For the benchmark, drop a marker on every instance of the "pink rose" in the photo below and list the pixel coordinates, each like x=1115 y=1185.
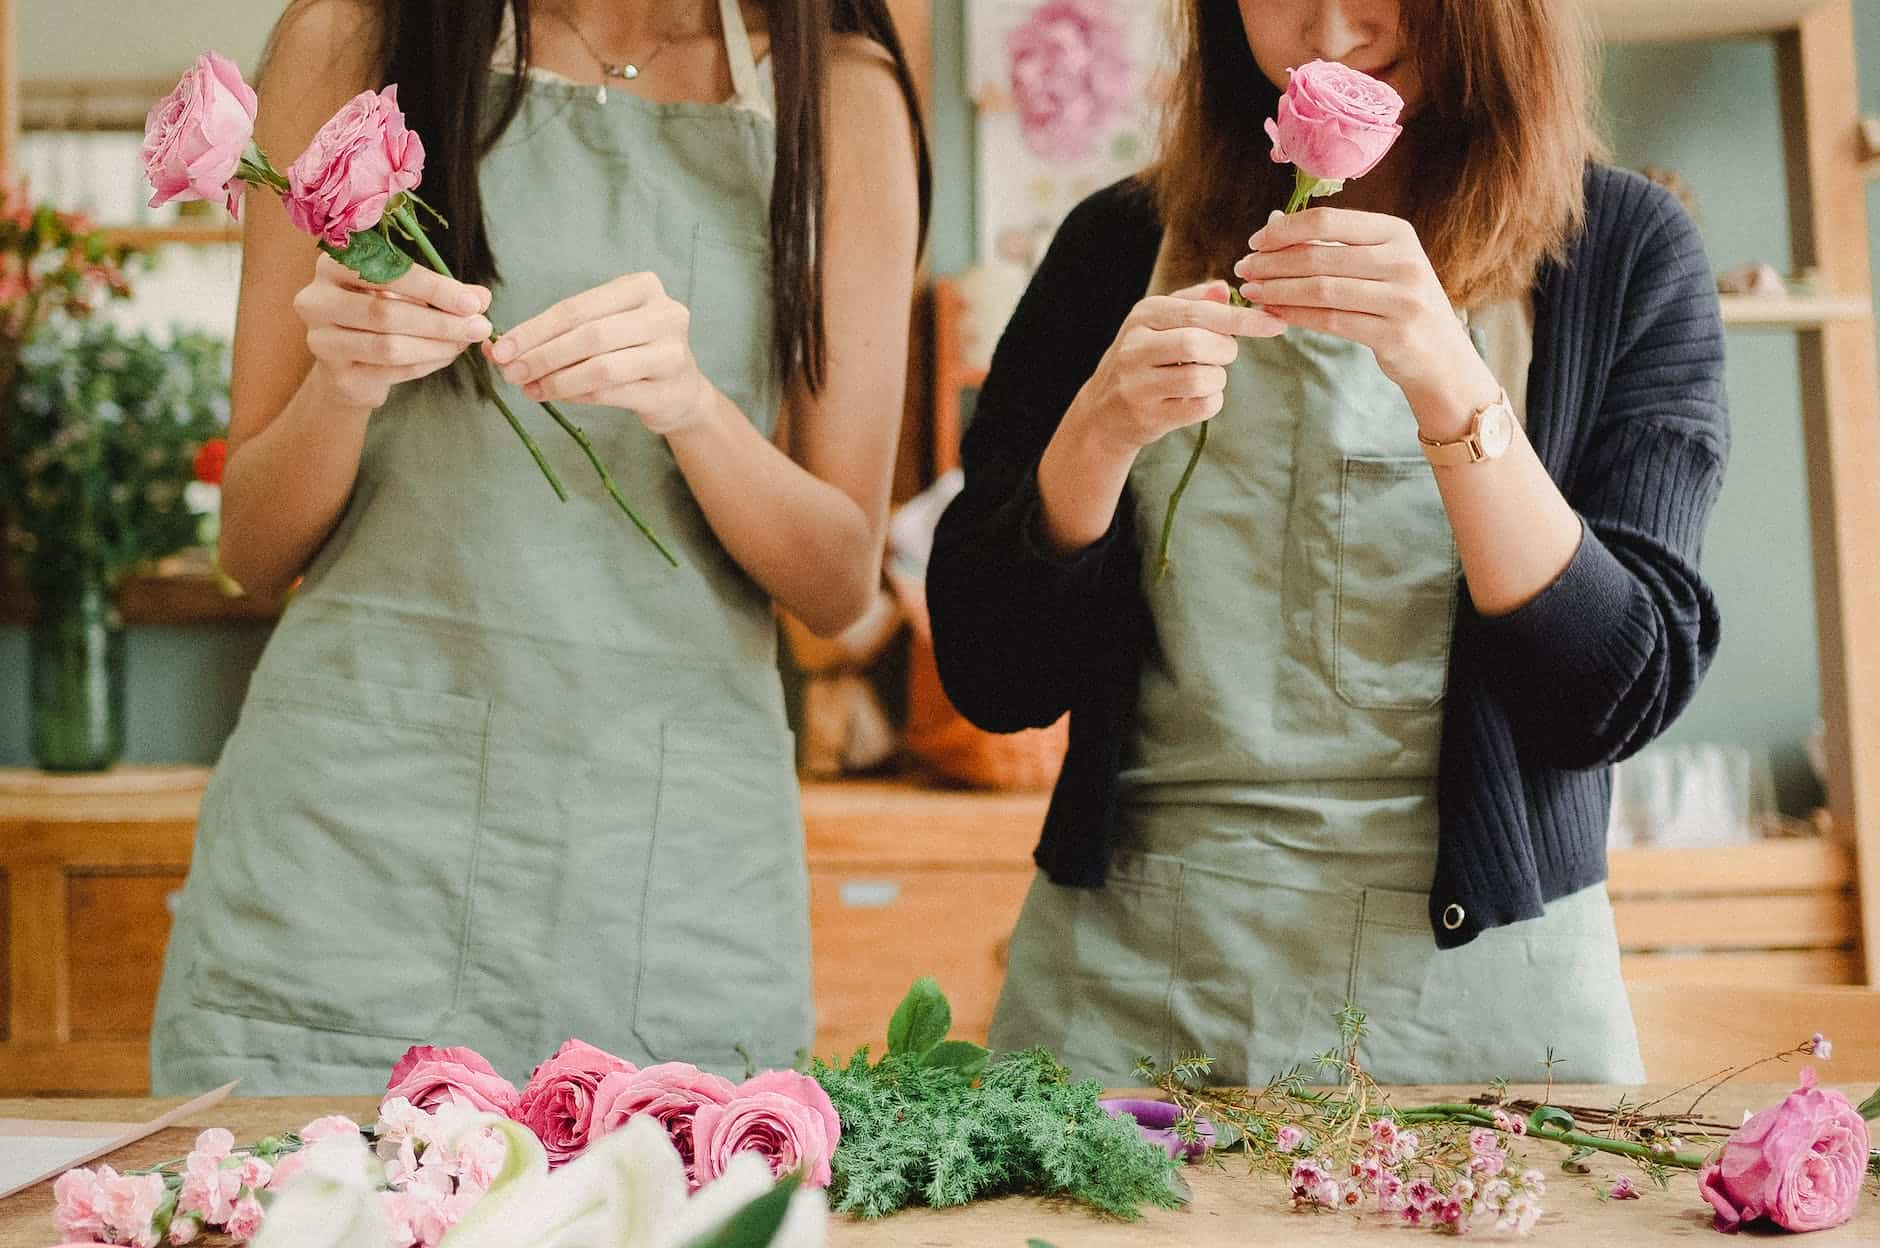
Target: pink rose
x=1798 y=1164
x=1070 y=75
x=1334 y=122
x=558 y=1101
x=429 y=1077
x=783 y=1116
x=196 y=136
x=361 y=158
x=672 y=1092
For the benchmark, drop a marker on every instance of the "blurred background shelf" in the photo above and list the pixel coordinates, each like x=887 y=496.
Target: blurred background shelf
x=205 y=233
x=1800 y=311
x=1637 y=21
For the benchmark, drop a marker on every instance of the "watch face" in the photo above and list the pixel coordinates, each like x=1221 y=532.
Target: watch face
x=1497 y=431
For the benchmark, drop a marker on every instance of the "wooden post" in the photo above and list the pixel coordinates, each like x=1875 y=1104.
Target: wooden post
x=9 y=89
x=1841 y=414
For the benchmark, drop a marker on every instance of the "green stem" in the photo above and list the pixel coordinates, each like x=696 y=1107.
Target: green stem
x=1476 y=1115
x=1303 y=186
x=1174 y=501
x=580 y=436
x=408 y=225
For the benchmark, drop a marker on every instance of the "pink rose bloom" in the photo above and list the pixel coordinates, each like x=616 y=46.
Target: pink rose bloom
x=429 y=1077
x=783 y=1116
x=671 y=1092
x=1070 y=75
x=78 y=1212
x=361 y=158
x=1334 y=122
x=245 y=1223
x=195 y=137
x=558 y=1101
x=1798 y=1164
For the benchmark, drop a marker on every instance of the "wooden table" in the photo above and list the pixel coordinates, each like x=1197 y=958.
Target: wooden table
x=1229 y=1208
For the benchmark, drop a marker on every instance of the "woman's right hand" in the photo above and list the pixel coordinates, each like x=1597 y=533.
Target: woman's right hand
x=366 y=338
x=1167 y=367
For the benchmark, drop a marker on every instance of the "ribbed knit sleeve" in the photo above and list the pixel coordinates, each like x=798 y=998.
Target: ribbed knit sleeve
x=1604 y=659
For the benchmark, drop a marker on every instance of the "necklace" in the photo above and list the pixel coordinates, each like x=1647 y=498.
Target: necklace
x=627 y=71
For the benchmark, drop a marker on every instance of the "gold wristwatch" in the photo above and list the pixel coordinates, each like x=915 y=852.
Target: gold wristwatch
x=1491 y=432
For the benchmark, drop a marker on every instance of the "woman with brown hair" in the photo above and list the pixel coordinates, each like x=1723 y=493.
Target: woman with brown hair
x=1437 y=572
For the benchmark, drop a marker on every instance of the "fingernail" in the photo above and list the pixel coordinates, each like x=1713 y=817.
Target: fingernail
x=1250 y=291
x=504 y=351
x=1275 y=215
x=478 y=328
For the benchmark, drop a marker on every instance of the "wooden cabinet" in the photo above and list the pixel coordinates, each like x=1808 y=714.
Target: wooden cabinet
x=904 y=882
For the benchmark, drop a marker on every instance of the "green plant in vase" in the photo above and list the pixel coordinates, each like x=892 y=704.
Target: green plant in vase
x=105 y=426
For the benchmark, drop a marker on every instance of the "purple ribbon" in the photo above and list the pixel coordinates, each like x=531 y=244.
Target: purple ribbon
x=1156 y=1120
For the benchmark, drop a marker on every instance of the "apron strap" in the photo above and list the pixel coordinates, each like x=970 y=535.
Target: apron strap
x=745 y=84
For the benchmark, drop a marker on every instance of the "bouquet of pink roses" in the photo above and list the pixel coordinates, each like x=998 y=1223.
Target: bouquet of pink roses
x=353 y=189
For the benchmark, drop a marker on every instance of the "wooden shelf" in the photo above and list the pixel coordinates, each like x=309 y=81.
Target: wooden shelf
x=202 y=235
x=1794 y=310
x=1643 y=21
x=168 y=599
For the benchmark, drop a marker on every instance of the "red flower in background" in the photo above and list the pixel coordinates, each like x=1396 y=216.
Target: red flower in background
x=211 y=459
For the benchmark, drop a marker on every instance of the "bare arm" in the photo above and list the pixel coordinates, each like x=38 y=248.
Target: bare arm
x=316 y=350
x=809 y=524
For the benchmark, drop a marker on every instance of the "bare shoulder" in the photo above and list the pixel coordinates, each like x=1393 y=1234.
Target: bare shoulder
x=865 y=101
x=322 y=53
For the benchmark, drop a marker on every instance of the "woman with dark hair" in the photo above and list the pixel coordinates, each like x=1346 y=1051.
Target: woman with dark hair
x=504 y=776
x=1436 y=573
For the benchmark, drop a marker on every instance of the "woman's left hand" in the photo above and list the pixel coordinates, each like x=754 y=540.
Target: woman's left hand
x=622 y=344
x=1378 y=289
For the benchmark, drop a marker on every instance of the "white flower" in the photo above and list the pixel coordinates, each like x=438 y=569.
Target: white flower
x=202 y=499
x=627 y=1191
x=332 y=1201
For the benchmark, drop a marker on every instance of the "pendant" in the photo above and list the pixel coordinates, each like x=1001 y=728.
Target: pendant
x=628 y=70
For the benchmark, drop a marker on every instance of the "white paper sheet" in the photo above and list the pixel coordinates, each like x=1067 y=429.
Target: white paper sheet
x=32 y=1151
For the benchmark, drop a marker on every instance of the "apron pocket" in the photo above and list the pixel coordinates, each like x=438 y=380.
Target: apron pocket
x=1395 y=602
x=724 y=936
x=731 y=317
x=336 y=896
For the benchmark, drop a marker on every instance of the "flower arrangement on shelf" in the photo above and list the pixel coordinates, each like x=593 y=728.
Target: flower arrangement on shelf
x=52 y=264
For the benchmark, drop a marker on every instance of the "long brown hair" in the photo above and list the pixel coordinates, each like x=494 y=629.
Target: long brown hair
x=439 y=52
x=1498 y=144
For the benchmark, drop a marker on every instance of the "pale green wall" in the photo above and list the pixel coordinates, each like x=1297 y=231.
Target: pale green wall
x=1706 y=110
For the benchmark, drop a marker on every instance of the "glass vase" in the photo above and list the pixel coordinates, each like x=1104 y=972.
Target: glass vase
x=78 y=678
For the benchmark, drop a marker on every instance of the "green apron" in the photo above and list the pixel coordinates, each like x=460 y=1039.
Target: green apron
x=503 y=776
x=1278 y=829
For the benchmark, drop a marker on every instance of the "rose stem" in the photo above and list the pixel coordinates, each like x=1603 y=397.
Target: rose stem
x=1174 y=500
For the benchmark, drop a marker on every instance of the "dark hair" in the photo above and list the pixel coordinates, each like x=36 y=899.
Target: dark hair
x=439 y=53
x=1500 y=139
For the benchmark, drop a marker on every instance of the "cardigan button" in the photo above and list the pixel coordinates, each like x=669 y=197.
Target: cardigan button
x=1453 y=916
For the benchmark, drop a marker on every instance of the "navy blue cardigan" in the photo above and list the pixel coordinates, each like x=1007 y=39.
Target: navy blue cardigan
x=1625 y=407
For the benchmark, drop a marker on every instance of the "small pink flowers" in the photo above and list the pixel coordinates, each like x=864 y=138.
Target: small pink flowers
x=1820 y=1046
x=1623 y=1189
x=108 y=1207
x=1288 y=1139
